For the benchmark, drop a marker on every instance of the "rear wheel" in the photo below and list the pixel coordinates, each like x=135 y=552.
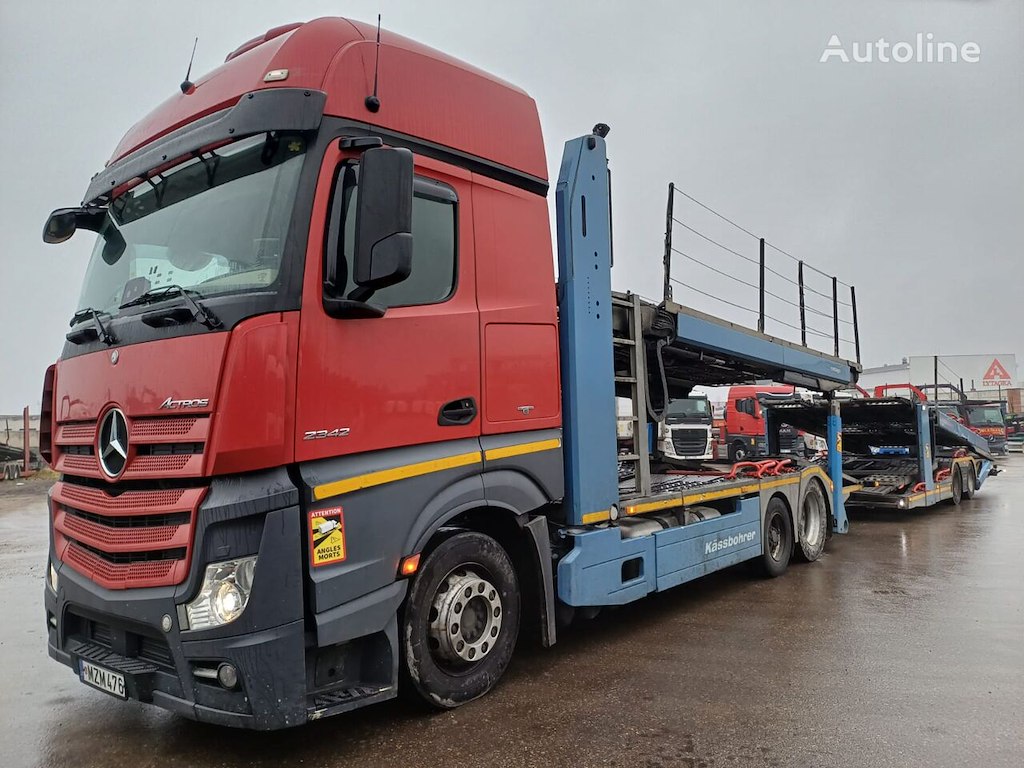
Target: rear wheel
x=956 y=486
x=970 y=484
x=813 y=524
x=778 y=538
x=460 y=622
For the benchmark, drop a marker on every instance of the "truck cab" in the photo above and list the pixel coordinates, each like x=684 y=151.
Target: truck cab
x=297 y=355
x=685 y=434
x=988 y=419
x=744 y=431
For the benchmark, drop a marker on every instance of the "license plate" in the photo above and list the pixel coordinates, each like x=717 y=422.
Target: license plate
x=104 y=679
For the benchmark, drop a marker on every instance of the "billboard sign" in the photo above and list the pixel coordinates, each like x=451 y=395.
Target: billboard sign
x=977 y=371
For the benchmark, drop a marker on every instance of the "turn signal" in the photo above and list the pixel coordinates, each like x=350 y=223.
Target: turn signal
x=409 y=565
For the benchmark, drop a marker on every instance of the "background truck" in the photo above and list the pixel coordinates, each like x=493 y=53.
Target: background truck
x=314 y=444
x=741 y=432
x=685 y=434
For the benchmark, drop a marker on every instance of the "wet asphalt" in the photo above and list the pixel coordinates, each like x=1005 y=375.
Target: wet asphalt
x=902 y=646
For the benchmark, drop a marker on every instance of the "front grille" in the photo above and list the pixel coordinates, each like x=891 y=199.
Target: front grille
x=82 y=432
x=159 y=447
x=689 y=442
x=789 y=443
x=113 y=575
x=126 y=540
x=175 y=426
x=132 y=531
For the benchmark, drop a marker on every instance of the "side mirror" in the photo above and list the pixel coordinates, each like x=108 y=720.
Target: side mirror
x=64 y=222
x=60 y=226
x=383 y=243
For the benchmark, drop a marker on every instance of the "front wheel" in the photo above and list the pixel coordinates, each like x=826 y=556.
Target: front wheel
x=778 y=538
x=739 y=452
x=813 y=524
x=460 y=621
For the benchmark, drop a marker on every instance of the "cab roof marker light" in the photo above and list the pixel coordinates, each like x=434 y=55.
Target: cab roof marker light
x=275 y=76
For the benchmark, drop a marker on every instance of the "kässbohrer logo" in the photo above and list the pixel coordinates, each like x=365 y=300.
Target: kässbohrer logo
x=728 y=542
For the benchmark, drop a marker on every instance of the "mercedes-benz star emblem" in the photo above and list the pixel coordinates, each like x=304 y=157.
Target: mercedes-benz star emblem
x=113 y=357
x=113 y=442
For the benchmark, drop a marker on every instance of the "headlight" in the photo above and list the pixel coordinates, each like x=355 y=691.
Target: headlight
x=53 y=579
x=224 y=594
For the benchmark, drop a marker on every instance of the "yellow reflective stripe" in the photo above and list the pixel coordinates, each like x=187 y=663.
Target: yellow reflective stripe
x=650 y=506
x=596 y=517
x=777 y=483
x=723 y=494
x=371 y=479
x=518 y=450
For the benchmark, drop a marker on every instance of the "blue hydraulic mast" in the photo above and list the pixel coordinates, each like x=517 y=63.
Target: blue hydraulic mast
x=582 y=204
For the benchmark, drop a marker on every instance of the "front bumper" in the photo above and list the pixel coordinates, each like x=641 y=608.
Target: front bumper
x=284 y=678
x=164 y=673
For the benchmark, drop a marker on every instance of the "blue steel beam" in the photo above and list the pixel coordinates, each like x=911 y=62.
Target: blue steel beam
x=840 y=523
x=585 y=329
x=924 y=446
x=770 y=355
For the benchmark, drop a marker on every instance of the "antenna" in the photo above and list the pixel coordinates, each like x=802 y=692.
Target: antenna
x=187 y=85
x=372 y=102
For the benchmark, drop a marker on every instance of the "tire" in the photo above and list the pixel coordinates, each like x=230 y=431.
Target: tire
x=468 y=583
x=957 y=486
x=812 y=523
x=971 y=484
x=737 y=452
x=777 y=538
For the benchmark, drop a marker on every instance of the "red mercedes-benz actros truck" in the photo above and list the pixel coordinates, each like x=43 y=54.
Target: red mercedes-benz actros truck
x=324 y=421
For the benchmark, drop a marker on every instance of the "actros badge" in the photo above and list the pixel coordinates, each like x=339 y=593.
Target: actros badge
x=173 y=404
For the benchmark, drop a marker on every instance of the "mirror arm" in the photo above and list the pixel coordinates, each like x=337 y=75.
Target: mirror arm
x=361 y=293
x=351 y=309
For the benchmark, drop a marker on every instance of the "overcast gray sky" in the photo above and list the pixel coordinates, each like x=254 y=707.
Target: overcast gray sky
x=906 y=180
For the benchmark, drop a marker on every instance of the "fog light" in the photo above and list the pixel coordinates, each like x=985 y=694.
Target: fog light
x=53 y=579
x=227 y=676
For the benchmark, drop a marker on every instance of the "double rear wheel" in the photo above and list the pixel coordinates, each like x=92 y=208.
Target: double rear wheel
x=813 y=523
x=778 y=538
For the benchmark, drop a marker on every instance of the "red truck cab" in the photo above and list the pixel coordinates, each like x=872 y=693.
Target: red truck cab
x=743 y=432
x=317 y=332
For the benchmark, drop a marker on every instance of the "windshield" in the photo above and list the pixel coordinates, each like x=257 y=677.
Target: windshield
x=689 y=408
x=215 y=224
x=985 y=416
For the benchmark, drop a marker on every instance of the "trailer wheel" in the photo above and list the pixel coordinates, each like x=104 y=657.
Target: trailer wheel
x=813 y=524
x=738 y=452
x=460 y=621
x=956 y=486
x=970 y=484
x=778 y=538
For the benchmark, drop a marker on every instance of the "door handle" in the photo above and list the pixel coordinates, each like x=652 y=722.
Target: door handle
x=457 y=413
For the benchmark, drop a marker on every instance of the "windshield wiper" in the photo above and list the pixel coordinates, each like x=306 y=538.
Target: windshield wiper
x=199 y=313
x=98 y=329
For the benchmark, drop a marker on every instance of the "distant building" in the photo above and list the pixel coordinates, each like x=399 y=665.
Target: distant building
x=12 y=431
x=984 y=377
